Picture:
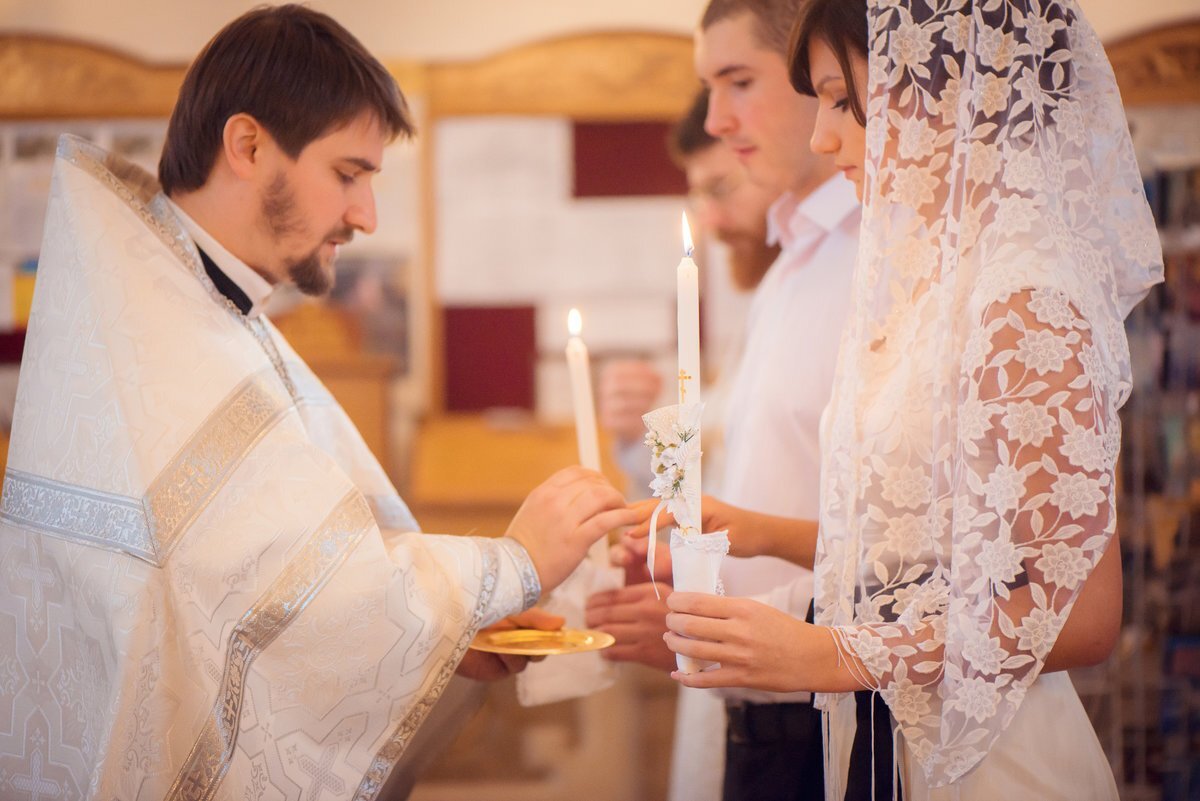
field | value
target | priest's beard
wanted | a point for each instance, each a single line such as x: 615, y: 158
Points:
x: 279, y: 212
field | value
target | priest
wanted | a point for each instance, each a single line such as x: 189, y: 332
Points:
x: 210, y: 589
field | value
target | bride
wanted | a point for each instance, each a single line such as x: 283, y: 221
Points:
x: 967, y: 549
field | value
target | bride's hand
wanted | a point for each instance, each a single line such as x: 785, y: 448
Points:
x: 758, y: 646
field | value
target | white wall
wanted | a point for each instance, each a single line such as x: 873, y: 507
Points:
x: 173, y: 30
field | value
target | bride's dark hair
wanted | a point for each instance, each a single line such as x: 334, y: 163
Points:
x: 840, y: 24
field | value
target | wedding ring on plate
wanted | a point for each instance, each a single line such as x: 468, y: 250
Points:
x: 535, y: 642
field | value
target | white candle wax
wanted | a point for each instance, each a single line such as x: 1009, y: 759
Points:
x: 688, y: 295
x: 579, y: 367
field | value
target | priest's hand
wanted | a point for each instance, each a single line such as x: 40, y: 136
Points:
x: 563, y: 516
x: 628, y: 389
x: 637, y: 619
x: 758, y: 646
x: 483, y: 666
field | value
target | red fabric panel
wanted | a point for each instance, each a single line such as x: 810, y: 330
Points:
x: 621, y: 159
x: 491, y: 354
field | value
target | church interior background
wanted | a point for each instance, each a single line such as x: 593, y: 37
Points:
x: 540, y: 182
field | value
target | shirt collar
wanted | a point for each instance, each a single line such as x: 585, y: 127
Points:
x: 257, y: 288
x: 826, y: 207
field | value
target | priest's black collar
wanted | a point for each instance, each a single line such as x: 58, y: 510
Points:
x: 225, y: 285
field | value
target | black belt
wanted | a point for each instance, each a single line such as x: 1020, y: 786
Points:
x: 759, y: 724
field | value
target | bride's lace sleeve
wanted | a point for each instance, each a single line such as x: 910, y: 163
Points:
x: 1030, y: 503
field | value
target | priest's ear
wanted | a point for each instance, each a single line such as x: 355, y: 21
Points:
x: 244, y: 144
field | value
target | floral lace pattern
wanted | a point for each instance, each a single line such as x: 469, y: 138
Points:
x: 969, y: 449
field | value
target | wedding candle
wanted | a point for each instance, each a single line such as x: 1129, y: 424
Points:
x: 581, y: 393
x: 688, y: 288
x: 688, y: 299
x: 579, y: 367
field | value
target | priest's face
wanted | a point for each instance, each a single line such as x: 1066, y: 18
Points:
x: 752, y: 106
x: 312, y: 205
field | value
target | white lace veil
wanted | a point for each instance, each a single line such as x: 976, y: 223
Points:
x: 968, y: 473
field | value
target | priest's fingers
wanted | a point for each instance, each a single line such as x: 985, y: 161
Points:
x: 600, y: 524
x: 569, y: 475
x: 537, y: 618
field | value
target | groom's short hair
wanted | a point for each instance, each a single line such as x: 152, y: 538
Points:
x: 773, y: 19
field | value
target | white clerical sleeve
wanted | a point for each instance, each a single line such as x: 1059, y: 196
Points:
x: 517, y: 584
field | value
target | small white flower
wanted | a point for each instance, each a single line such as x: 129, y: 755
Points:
x: 949, y: 99
x: 1068, y: 122
x: 1039, y: 31
x: 916, y: 138
x: 1052, y: 307
x: 1063, y: 565
x: 1037, y: 632
x: 983, y: 162
x: 1077, y: 494
x: 907, y: 487
x: 1027, y: 422
x: 999, y: 560
x: 983, y: 652
x: 1139, y: 242
x: 870, y: 650
x: 976, y: 698
x: 995, y: 47
x: 908, y: 535
x: 1004, y: 488
x: 910, y: 45
x: 1084, y: 447
x: 909, y: 702
x: 958, y: 31
x: 916, y: 258
x: 1043, y: 351
x: 1023, y: 170
x: 1016, y: 214
x: 992, y: 93
x: 913, y: 185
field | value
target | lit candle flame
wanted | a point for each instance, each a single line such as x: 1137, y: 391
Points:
x: 574, y: 322
x: 687, y: 237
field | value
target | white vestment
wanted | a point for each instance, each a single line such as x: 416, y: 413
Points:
x: 197, y: 600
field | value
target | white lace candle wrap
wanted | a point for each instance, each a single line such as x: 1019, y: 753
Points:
x: 696, y: 567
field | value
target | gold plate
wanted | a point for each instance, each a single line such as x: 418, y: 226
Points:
x: 534, y: 642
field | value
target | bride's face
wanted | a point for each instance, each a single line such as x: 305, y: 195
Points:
x: 837, y: 133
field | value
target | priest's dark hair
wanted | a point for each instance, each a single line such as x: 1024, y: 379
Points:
x: 842, y: 26
x: 773, y: 19
x: 296, y: 71
x: 688, y: 136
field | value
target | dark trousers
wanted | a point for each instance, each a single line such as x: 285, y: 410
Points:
x: 773, y: 753
x: 871, y: 753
